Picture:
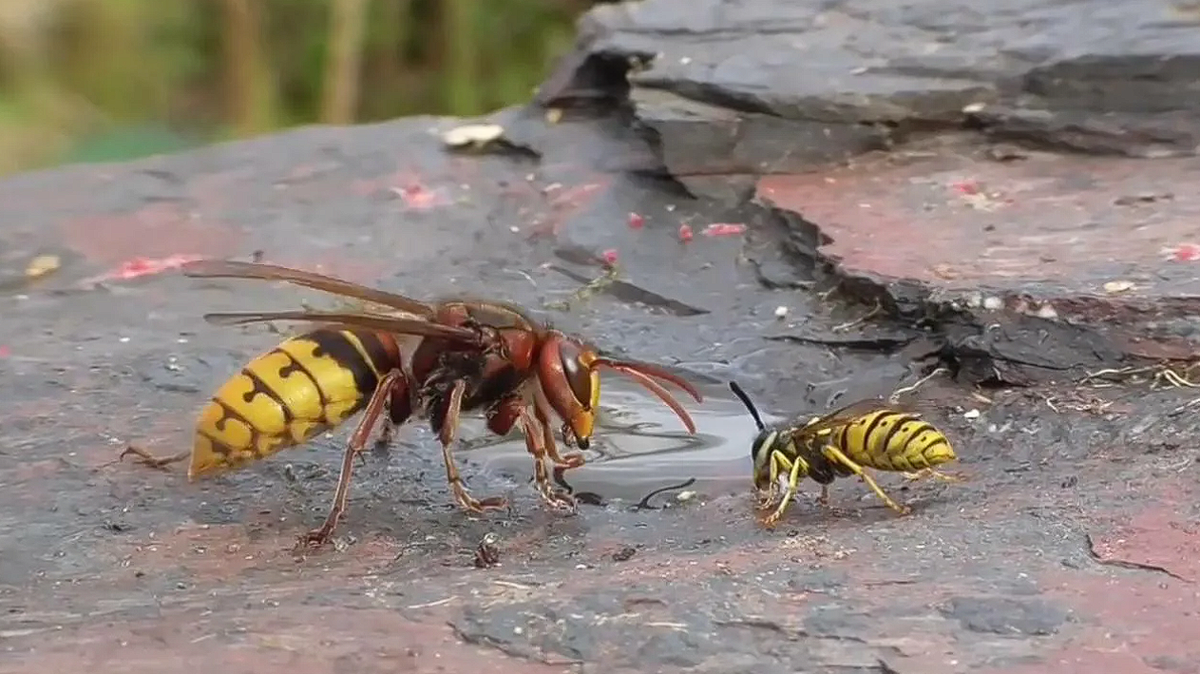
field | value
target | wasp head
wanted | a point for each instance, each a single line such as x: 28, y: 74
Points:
x: 764, y: 442
x: 567, y: 372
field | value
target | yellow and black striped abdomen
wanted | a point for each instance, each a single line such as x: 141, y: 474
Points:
x: 308, y: 384
x: 892, y: 440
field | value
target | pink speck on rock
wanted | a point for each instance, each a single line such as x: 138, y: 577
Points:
x: 141, y: 266
x: 1184, y: 252
x: 609, y: 256
x: 724, y: 229
x: 966, y: 187
x: 636, y: 221
x: 685, y: 233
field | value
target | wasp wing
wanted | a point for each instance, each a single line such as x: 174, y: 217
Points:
x: 403, y: 326
x: 825, y: 423
x: 272, y: 272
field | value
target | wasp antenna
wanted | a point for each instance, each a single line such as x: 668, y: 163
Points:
x: 737, y: 391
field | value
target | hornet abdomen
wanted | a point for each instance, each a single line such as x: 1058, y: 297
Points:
x: 307, y: 385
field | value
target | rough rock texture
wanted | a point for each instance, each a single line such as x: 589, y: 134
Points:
x: 974, y: 238
x: 1072, y: 547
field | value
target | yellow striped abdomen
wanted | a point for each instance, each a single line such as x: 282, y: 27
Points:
x: 286, y: 396
x: 891, y: 440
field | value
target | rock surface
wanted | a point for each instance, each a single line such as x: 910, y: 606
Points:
x: 952, y: 211
x: 1072, y: 547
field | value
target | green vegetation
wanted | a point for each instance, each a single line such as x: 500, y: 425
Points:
x: 101, y: 80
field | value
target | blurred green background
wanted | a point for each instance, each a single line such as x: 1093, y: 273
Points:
x: 103, y: 80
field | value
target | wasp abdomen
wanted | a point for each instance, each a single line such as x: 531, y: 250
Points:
x: 895, y: 441
x: 284, y: 397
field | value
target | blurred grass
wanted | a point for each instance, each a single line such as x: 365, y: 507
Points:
x: 104, y: 80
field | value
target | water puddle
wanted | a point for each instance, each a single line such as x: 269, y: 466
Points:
x: 641, y: 446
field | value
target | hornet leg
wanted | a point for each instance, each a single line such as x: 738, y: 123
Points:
x: 145, y: 457
x: 542, y: 408
x: 400, y: 408
x: 358, y: 441
x: 834, y: 454
x: 502, y: 418
x: 449, y: 426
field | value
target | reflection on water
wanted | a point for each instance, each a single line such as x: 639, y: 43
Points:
x: 641, y: 446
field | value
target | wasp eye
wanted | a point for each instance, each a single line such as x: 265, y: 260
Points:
x: 579, y: 377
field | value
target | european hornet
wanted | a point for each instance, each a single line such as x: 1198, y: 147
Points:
x: 844, y: 442
x: 471, y: 355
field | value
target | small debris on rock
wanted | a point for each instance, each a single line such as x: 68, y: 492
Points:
x: 609, y: 256
x: 781, y: 311
x: 636, y: 221
x: 1144, y: 198
x: 971, y: 414
x: 42, y: 265
x: 685, y: 233
x: 1113, y: 287
x: 1005, y: 153
x: 476, y: 135
x: 140, y: 266
x: 966, y: 187
x: 724, y: 229
x: 624, y: 554
x: 418, y: 197
x: 1184, y: 252
x: 487, y: 554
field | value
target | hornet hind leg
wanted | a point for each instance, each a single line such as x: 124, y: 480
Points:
x: 358, y: 441
x: 146, y: 458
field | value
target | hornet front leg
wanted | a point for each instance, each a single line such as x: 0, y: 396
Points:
x: 446, y: 433
x: 507, y: 413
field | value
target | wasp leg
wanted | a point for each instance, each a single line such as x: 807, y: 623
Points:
x: 146, y: 458
x: 794, y: 468
x: 931, y: 472
x: 834, y: 454
x: 358, y: 442
x: 823, y: 499
x: 768, y: 497
x: 541, y: 407
x: 449, y: 427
